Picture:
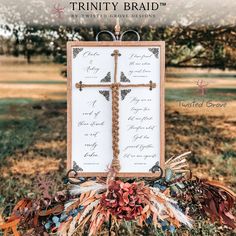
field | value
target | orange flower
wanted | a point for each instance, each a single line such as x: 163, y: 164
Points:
x: 123, y: 200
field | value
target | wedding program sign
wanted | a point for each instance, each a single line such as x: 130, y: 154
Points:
x: 116, y: 107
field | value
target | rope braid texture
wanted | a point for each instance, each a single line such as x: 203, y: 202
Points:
x: 115, y: 165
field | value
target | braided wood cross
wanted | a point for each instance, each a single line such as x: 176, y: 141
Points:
x: 115, y: 86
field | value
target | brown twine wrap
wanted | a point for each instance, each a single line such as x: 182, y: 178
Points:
x: 151, y: 85
x: 115, y: 127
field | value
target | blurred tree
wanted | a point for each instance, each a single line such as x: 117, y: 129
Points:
x: 205, y: 46
x: 187, y: 43
x: 185, y: 46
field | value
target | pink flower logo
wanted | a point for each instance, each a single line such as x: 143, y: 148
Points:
x: 58, y: 10
x: 202, y: 87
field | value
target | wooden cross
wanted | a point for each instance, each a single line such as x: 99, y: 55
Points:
x: 115, y: 86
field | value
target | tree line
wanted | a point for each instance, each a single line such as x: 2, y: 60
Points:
x: 195, y: 46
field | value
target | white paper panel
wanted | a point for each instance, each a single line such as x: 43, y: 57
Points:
x: 139, y: 110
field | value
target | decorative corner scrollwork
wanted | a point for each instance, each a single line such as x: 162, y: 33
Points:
x: 105, y: 93
x: 107, y: 78
x: 76, y: 51
x: 123, y: 78
x: 124, y: 92
x: 76, y: 167
x: 155, y: 52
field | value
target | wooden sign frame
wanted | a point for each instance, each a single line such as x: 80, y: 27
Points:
x: 83, y: 44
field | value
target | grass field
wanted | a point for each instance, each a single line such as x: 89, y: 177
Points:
x: 33, y: 125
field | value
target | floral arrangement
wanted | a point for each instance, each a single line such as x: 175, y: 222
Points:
x: 89, y: 204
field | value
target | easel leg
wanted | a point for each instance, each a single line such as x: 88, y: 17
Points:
x: 109, y: 226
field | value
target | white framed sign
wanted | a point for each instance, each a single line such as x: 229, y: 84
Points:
x: 115, y: 107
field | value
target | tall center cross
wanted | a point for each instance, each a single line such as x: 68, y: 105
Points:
x: 115, y: 87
